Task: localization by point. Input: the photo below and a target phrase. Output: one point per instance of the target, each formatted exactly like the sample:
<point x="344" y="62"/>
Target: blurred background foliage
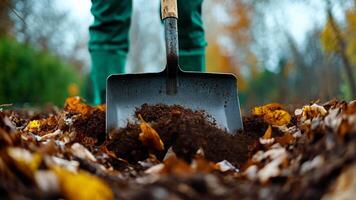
<point x="32" y="76"/>
<point x="286" y="51"/>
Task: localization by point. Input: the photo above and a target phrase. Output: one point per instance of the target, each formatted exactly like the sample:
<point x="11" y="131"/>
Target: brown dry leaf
<point x="149" y="136"/>
<point x="75" y="104"/>
<point x="351" y="108"/>
<point x="273" y="114"/>
<point x="50" y="121"/>
<point x="345" y="127"/>
<point x="285" y="139"/>
<point x="311" y="111"/>
<point x="82" y="185"/>
<point x="344" y="185"/>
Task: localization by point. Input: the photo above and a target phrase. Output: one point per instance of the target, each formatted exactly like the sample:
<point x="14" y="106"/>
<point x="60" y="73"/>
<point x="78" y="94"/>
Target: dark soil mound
<point x="185" y="131"/>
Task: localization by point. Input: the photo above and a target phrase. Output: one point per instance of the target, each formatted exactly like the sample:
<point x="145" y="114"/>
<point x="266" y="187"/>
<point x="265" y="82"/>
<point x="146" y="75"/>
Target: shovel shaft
<point x="170" y="18"/>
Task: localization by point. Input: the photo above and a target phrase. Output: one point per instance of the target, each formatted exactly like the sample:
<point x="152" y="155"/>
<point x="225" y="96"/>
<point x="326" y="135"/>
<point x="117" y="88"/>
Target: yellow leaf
<point x="149" y="136"/>
<point x="272" y="114"/>
<point x="277" y="117"/>
<point x="262" y="110"/>
<point x="33" y="126"/>
<point x="82" y="186"/>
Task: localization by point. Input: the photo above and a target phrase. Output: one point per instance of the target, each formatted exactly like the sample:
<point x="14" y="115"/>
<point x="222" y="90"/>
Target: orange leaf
<point x="149" y="136"/>
<point x="174" y="165"/>
<point x="75" y="104"/>
<point x="101" y="107"/>
<point x="268" y="133"/>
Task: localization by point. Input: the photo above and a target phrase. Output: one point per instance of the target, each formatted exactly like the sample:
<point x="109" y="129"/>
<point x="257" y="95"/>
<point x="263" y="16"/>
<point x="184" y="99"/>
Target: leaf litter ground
<point x="172" y="152"/>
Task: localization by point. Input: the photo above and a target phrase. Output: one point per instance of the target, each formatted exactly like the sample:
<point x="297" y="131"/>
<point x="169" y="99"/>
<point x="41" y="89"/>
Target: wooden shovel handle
<point x="169" y="8"/>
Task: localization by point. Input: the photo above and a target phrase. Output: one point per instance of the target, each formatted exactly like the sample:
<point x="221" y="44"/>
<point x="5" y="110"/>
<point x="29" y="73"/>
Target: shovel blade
<point x="216" y="94"/>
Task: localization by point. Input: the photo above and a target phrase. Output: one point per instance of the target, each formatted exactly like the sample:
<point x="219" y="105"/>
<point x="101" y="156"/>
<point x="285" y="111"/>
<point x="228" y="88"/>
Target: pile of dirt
<point x="185" y="131"/>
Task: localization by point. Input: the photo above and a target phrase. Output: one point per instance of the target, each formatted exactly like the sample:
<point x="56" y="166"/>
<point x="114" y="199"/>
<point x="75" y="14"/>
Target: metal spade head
<point x="216" y="94"/>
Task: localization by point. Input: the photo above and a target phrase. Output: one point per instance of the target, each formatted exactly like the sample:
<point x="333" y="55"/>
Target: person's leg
<point x="191" y="35"/>
<point x="109" y="42"/>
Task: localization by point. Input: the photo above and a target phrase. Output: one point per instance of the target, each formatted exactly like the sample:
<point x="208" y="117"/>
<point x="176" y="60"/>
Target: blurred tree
<point x="342" y="42"/>
<point x="5" y="21"/>
<point x="316" y="75"/>
<point x="229" y="40"/>
<point x="32" y="76"/>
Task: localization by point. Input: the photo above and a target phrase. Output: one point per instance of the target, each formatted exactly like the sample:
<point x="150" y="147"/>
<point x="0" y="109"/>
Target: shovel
<point x="215" y="93"/>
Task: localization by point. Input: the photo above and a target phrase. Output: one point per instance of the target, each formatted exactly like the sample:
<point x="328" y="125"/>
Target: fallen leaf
<point x="267" y="137"/>
<point x="33" y="126"/>
<point x="170" y="153"/>
<point x="312" y="111"/>
<point x="286" y="139"/>
<point x="75" y="104"/>
<point x="82" y="185"/>
<point x="101" y="107"/>
<point x="25" y="158"/>
<point x="226" y="166"/>
<point x="200" y="164"/>
<point x="316" y="162"/>
<point x="156" y="169"/>
<point x="262" y="110"/>
<point x="268" y="133"/>
<point x="174" y="165"/>
<point x="47" y="181"/>
<point x="273" y="114"/>
<point x="105" y="150"/>
<point x="81" y="152"/>
<point x="278" y="156"/>
<point x="69" y="165"/>
<point x="343" y="186"/>
<point x="50" y="135"/>
<point x="149" y="136"/>
<point x="277" y="117"/>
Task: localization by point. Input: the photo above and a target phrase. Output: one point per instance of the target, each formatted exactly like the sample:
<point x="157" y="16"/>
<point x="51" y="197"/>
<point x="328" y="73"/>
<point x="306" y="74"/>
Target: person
<point x="109" y="40"/>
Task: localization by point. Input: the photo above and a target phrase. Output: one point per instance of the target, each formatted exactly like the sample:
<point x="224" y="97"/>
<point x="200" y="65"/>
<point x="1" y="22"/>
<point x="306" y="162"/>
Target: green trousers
<point x="109" y="40"/>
